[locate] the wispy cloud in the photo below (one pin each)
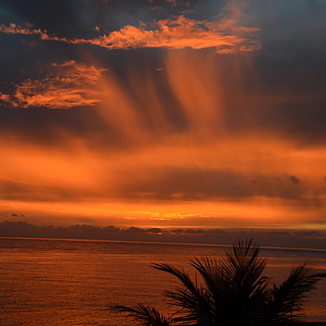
(27, 29)
(65, 85)
(224, 35)
(18, 29)
(182, 33)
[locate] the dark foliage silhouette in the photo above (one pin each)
(232, 291)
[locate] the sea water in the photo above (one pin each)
(74, 282)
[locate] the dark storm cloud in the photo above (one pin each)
(17, 191)
(302, 120)
(193, 184)
(292, 67)
(59, 17)
(290, 27)
(290, 62)
(51, 128)
(170, 184)
(208, 184)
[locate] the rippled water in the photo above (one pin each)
(68, 282)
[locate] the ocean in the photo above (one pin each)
(74, 282)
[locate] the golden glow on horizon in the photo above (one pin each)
(166, 215)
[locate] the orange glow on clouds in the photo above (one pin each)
(225, 35)
(65, 86)
(167, 175)
(259, 213)
(170, 154)
(182, 33)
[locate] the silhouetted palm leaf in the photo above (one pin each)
(234, 292)
(149, 316)
(287, 299)
(236, 284)
(191, 298)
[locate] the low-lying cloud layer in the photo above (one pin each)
(291, 238)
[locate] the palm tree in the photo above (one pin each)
(233, 291)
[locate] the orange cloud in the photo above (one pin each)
(65, 86)
(224, 35)
(18, 29)
(181, 33)
(28, 29)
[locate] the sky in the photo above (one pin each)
(163, 113)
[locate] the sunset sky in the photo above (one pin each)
(163, 113)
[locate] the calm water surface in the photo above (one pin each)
(73, 282)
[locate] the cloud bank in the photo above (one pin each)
(288, 239)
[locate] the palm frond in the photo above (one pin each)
(216, 284)
(182, 276)
(147, 315)
(190, 297)
(236, 285)
(287, 299)
(231, 291)
(245, 268)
